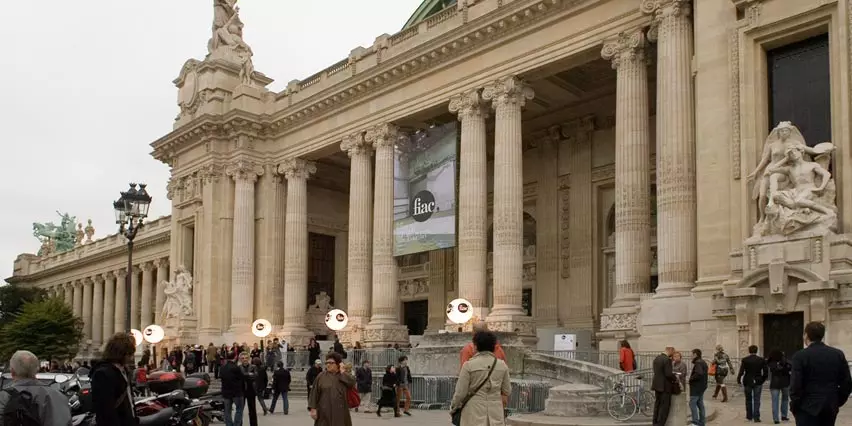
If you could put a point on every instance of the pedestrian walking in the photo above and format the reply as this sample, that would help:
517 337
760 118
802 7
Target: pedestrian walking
753 373
403 388
364 383
327 402
111 395
663 385
483 385
820 380
261 380
697 387
233 392
49 406
779 384
280 388
719 369
626 357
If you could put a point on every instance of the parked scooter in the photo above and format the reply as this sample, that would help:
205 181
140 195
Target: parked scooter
180 411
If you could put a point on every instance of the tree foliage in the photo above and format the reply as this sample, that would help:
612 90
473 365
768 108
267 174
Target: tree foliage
13 297
47 328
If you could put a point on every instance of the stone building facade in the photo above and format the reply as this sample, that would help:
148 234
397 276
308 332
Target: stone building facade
605 184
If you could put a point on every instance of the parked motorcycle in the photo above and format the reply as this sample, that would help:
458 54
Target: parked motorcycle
180 411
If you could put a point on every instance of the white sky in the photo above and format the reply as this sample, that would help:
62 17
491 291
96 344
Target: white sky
87 88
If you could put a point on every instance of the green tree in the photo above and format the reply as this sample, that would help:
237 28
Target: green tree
13 297
47 328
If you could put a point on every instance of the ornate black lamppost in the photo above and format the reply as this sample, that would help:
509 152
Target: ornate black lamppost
130 210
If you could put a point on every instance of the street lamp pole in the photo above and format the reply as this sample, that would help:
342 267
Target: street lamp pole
130 211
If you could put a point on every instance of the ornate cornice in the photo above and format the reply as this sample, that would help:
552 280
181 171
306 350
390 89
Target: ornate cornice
466 37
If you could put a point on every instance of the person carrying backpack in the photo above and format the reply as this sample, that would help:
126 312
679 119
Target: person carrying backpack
29 403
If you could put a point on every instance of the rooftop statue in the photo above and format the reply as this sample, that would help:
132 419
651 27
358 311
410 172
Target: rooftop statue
227 38
794 192
56 238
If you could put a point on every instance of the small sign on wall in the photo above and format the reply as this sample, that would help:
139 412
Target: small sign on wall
565 342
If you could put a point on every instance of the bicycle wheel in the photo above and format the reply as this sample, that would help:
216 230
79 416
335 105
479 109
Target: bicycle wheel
646 405
621 407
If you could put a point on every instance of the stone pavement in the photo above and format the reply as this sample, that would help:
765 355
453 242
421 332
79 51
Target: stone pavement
733 412
299 416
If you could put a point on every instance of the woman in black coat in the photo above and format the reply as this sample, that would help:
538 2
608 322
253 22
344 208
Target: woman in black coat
779 384
388 398
111 383
261 380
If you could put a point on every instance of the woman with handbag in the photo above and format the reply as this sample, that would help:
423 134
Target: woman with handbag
388 398
482 386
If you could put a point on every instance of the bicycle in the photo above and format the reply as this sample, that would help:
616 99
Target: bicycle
625 404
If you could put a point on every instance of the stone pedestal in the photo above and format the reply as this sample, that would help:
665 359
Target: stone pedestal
182 331
679 413
439 354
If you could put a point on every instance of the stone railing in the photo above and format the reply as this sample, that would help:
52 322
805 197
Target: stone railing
30 264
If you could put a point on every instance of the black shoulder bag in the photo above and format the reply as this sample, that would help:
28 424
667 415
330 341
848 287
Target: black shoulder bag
456 414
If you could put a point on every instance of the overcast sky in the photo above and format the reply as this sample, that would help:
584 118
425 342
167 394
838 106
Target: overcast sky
87 87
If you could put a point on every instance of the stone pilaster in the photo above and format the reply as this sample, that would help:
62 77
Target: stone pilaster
437 319
676 188
508 96
632 167
359 253
78 299
98 312
109 306
547 222
120 300
215 254
134 298
296 171
384 325
581 302
245 174
160 286
472 111
87 309
270 255
147 295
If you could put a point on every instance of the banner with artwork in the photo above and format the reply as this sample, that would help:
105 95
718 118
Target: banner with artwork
425 190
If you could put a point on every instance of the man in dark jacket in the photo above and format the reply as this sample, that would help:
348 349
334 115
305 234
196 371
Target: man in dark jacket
697 386
233 385
311 377
364 383
111 397
821 382
753 373
663 385
280 386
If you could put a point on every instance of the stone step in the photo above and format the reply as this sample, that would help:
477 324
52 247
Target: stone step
713 413
575 400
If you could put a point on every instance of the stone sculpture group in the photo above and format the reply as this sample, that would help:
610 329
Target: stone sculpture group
178 294
793 186
227 40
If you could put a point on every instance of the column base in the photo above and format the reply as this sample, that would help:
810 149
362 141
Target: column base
382 335
509 322
667 291
296 335
354 332
211 334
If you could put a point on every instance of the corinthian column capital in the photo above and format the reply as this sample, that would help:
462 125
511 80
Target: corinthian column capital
663 9
508 91
244 170
210 173
382 135
469 104
356 144
626 50
297 168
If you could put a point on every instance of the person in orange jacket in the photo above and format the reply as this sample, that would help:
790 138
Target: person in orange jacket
469 350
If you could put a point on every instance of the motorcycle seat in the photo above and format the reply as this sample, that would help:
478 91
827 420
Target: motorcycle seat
161 418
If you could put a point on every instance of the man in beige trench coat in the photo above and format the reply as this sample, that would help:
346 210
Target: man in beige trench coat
485 407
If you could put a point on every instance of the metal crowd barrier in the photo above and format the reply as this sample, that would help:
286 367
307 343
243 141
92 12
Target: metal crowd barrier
436 393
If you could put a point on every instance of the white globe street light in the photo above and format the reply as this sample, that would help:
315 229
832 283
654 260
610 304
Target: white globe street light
336 319
137 335
459 311
261 328
153 334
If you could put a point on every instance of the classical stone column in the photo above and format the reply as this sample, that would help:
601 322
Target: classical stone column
68 294
296 171
359 252
98 312
78 299
134 298
384 325
120 300
472 111
245 174
508 96
632 167
160 285
147 294
676 190
270 246
109 306
87 308
581 261
547 221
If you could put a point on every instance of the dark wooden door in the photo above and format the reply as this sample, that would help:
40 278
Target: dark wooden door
320 266
783 332
416 315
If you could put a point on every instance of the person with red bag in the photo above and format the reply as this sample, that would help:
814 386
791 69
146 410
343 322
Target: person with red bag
328 402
